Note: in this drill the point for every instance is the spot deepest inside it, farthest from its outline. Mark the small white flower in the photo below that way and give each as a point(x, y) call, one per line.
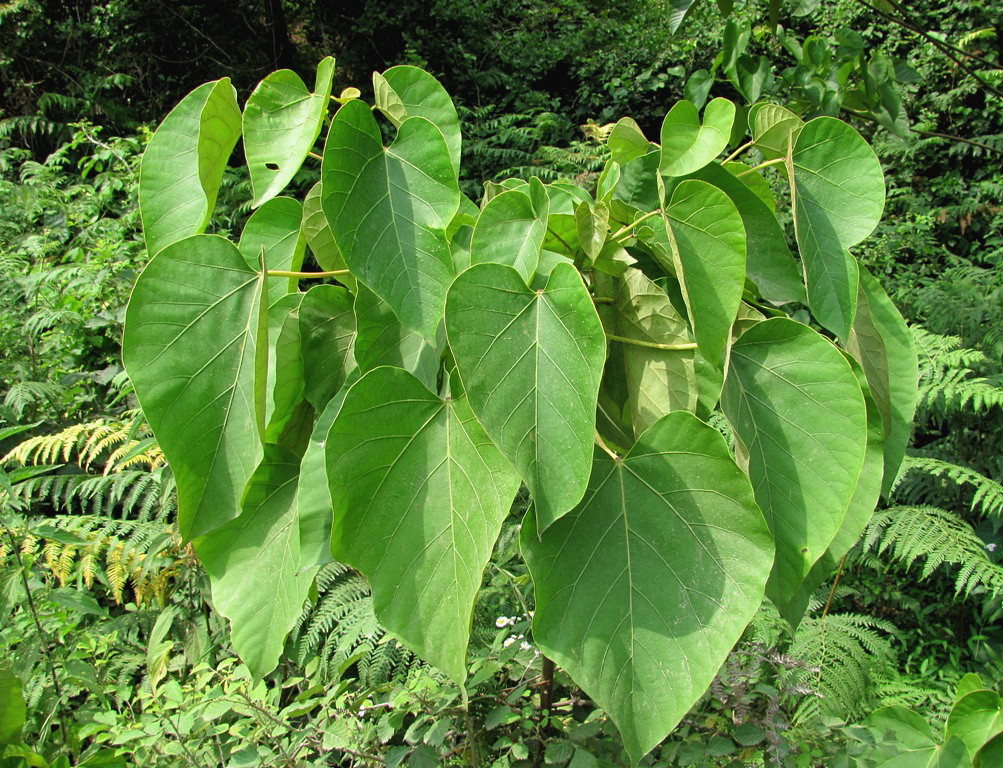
point(991, 546)
point(501, 621)
point(524, 646)
point(508, 641)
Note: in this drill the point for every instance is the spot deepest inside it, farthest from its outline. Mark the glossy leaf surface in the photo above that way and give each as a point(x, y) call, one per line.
point(644, 587)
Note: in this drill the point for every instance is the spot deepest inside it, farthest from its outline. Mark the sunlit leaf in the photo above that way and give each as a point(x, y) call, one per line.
point(420, 470)
point(688, 145)
point(774, 129)
point(511, 229)
point(530, 363)
point(327, 323)
point(644, 587)
point(275, 230)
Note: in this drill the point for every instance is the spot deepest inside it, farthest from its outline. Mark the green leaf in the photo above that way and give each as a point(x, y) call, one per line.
point(800, 416)
point(284, 387)
point(969, 682)
point(659, 381)
point(531, 362)
point(282, 120)
point(419, 495)
point(327, 322)
point(275, 229)
point(774, 129)
point(12, 707)
point(881, 342)
point(991, 753)
point(678, 13)
point(406, 91)
point(184, 163)
point(194, 347)
point(643, 589)
point(838, 194)
point(253, 564)
point(688, 146)
point(698, 86)
point(511, 229)
point(592, 223)
point(904, 740)
point(381, 340)
point(637, 189)
point(389, 208)
point(626, 141)
point(770, 265)
point(707, 244)
point(976, 718)
point(758, 185)
point(318, 232)
point(858, 513)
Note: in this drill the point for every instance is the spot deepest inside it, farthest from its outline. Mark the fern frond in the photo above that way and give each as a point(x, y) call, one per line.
point(987, 496)
point(936, 537)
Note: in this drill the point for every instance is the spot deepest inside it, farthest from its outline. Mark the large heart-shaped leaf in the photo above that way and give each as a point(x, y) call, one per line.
point(253, 564)
point(769, 262)
point(882, 344)
point(194, 347)
point(799, 413)
point(405, 91)
point(626, 141)
point(707, 242)
point(838, 194)
point(688, 145)
point(282, 120)
point(184, 162)
point(419, 495)
point(511, 229)
point(644, 587)
point(275, 230)
point(531, 362)
point(389, 209)
point(903, 739)
point(658, 380)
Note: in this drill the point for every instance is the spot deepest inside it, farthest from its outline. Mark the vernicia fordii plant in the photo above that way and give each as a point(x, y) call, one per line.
point(545, 336)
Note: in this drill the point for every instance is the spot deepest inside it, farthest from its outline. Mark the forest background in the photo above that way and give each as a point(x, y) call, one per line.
point(113, 655)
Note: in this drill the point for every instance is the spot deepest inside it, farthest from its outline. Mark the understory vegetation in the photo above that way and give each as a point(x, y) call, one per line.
point(117, 649)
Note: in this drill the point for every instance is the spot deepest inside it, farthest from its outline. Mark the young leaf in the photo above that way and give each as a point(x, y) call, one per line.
point(318, 232)
point(511, 229)
point(406, 91)
point(800, 416)
point(838, 193)
point(658, 380)
point(644, 587)
point(184, 163)
point(275, 229)
point(688, 146)
point(774, 129)
point(882, 344)
point(530, 363)
point(389, 208)
point(706, 239)
point(194, 347)
point(419, 496)
point(282, 120)
point(253, 564)
point(626, 141)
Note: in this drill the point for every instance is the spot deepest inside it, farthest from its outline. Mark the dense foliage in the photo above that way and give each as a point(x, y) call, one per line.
point(118, 653)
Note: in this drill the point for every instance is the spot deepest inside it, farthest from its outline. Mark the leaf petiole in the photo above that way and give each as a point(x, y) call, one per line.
point(305, 275)
point(777, 161)
point(737, 152)
point(651, 344)
point(602, 444)
point(625, 229)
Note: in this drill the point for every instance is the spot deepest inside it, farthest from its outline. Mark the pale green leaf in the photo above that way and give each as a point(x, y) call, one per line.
point(419, 495)
point(905, 740)
point(510, 230)
point(407, 91)
point(882, 344)
point(530, 362)
point(706, 240)
point(688, 145)
point(184, 163)
point(756, 183)
point(253, 564)
point(838, 194)
point(275, 229)
point(284, 387)
point(389, 208)
point(194, 348)
point(643, 589)
point(318, 232)
point(976, 718)
point(12, 706)
point(592, 224)
point(659, 381)
point(774, 129)
point(800, 416)
point(282, 120)
point(626, 141)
